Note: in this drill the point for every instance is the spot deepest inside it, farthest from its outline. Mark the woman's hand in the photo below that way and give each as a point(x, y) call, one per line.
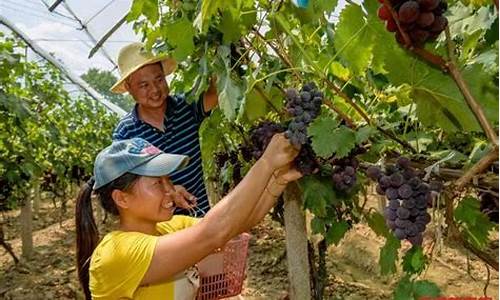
point(286, 174)
point(279, 152)
point(181, 197)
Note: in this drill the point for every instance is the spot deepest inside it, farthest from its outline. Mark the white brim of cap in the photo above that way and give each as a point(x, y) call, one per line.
point(161, 165)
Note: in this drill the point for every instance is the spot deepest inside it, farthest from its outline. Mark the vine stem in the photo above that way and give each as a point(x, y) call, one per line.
point(464, 88)
point(479, 167)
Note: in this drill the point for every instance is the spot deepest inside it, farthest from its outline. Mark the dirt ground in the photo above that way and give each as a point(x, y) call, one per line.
point(353, 265)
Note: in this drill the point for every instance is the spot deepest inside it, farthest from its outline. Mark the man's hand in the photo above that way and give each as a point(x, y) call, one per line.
point(210, 97)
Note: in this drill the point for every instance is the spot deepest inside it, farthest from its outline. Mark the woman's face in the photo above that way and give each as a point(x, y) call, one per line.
point(151, 198)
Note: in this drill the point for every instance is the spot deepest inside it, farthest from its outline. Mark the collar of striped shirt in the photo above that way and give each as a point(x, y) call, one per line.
point(170, 108)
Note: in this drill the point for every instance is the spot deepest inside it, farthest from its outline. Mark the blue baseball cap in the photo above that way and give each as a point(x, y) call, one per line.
point(136, 156)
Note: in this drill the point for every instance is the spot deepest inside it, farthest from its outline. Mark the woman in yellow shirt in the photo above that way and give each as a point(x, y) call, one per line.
point(147, 257)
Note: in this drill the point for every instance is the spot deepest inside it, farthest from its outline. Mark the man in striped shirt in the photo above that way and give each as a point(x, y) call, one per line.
point(166, 121)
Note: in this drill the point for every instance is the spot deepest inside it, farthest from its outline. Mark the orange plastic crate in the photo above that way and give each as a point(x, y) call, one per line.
point(222, 273)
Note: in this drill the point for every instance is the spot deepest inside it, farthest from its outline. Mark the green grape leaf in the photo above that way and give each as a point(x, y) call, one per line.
point(414, 260)
point(317, 193)
point(229, 96)
point(336, 232)
point(353, 39)
point(377, 223)
point(476, 226)
point(150, 10)
point(254, 106)
point(404, 289)
point(363, 134)
point(208, 9)
point(183, 43)
point(425, 288)
point(389, 255)
point(135, 10)
point(318, 225)
point(320, 131)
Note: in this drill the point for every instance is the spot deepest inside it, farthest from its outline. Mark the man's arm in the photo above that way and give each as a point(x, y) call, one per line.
point(210, 97)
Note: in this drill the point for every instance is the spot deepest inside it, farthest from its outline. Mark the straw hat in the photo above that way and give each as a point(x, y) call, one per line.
point(133, 57)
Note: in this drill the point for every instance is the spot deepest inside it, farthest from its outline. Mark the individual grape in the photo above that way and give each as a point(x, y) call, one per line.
point(425, 19)
point(420, 226)
point(416, 240)
point(428, 5)
point(391, 25)
point(409, 203)
point(409, 12)
point(424, 218)
point(442, 7)
point(394, 204)
point(414, 212)
point(414, 182)
point(384, 13)
point(402, 223)
point(391, 224)
point(373, 172)
point(349, 171)
point(380, 190)
point(400, 233)
point(419, 36)
point(391, 169)
point(403, 162)
point(412, 230)
point(405, 191)
point(396, 180)
point(439, 24)
point(403, 213)
point(391, 194)
point(390, 214)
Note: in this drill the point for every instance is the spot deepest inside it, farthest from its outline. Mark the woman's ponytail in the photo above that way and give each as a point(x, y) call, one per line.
point(87, 234)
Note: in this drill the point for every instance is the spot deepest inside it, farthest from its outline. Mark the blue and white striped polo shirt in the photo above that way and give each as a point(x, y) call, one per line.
point(181, 123)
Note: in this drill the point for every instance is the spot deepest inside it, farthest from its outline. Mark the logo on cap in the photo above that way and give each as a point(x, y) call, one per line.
point(140, 146)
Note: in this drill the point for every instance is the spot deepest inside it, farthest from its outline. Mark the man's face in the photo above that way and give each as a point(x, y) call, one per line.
point(148, 86)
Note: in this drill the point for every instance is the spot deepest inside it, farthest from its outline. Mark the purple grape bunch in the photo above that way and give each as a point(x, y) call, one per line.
point(304, 107)
point(344, 173)
point(409, 197)
point(261, 135)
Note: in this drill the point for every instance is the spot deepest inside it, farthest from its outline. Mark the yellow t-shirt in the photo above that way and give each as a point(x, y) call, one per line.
point(121, 259)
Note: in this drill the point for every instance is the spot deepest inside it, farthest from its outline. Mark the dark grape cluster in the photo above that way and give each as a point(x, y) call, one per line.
point(489, 205)
point(406, 213)
point(422, 20)
point(231, 158)
point(344, 173)
point(304, 106)
point(261, 135)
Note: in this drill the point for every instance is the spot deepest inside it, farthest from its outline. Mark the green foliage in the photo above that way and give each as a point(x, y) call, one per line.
point(102, 81)
point(282, 46)
point(42, 128)
point(409, 289)
point(329, 138)
point(476, 226)
point(389, 255)
point(414, 261)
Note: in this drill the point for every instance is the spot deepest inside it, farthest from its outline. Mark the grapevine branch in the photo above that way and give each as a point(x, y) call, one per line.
point(471, 101)
point(478, 168)
point(366, 118)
